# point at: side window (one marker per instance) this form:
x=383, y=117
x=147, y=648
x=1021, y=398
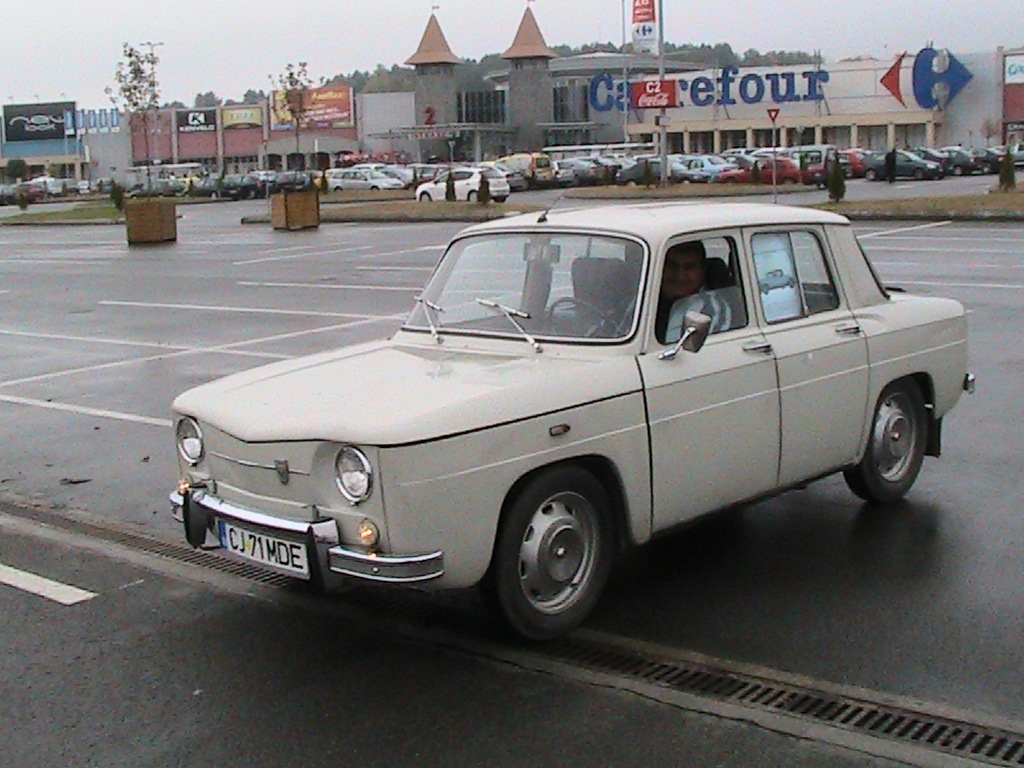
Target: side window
x=713, y=289
x=792, y=276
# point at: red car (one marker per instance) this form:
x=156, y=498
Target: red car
x=788, y=172
x=34, y=192
x=852, y=161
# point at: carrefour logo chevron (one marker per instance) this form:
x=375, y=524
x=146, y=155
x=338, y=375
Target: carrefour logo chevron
x=936, y=77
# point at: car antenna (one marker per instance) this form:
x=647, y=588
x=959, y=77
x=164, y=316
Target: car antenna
x=544, y=215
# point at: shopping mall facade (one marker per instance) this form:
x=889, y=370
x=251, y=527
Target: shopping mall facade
x=930, y=97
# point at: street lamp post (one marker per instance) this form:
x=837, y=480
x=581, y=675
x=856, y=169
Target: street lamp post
x=662, y=124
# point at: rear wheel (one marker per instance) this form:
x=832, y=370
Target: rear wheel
x=471, y=196
x=870, y=174
x=552, y=555
x=896, y=444
x=425, y=197
x=501, y=199
x=919, y=173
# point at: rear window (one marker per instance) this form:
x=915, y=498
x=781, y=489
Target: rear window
x=490, y=173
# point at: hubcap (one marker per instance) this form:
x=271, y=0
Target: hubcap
x=894, y=438
x=556, y=556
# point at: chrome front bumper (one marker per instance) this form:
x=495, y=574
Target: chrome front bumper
x=199, y=510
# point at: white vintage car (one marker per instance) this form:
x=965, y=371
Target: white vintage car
x=534, y=416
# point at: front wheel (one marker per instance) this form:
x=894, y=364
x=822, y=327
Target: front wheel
x=471, y=196
x=896, y=445
x=870, y=174
x=424, y=197
x=552, y=555
x=501, y=199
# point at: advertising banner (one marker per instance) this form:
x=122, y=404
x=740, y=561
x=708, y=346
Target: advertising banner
x=36, y=122
x=242, y=117
x=325, y=108
x=1013, y=72
x=196, y=120
x=645, y=26
x=654, y=94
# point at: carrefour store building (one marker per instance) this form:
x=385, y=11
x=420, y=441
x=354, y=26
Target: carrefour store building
x=928, y=98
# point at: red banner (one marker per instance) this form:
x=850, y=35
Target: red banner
x=643, y=11
x=654, y=94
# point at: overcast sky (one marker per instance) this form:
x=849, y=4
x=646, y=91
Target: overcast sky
x=59, y=49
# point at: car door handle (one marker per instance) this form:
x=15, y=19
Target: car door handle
x=848, y=330
x=764, y=347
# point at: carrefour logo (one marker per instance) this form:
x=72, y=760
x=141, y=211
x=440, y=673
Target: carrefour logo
x=937, y=78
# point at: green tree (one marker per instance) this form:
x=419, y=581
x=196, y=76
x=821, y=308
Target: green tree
x=836, y=181
x=138, y=92
x=1007, y=173
x=294, y=84
x=16, y=169
x=206, y=100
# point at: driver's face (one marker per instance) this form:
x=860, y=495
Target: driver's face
x=684, y=275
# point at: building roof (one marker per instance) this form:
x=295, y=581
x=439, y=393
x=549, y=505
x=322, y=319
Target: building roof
x=433, y=47
x=529, y=42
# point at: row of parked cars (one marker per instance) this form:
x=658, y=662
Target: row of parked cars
x=929, y=162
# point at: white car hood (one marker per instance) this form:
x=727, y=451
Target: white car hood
x=385, y=393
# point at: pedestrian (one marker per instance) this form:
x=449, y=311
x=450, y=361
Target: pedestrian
x=890, y=165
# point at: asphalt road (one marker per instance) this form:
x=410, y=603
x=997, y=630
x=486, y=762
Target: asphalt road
x=170, y=665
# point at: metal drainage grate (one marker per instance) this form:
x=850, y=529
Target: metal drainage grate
x=901, y=724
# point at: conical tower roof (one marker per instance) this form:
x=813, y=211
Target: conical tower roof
x=433, y=47
x=529, y=42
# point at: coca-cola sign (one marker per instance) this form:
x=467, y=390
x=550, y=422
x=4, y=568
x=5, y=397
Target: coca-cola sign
x=654, y=94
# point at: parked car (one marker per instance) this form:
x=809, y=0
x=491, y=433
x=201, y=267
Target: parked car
x=635, y=174
x=360, y=178
x=853, y=161
x=242, y=186
x=586, y=171
x=8, y=194
x=785, y=170
x=908, y=165
x=525, y=426
x=935, y=156
x=205, y=186
x=535, y=166
x=291, y=181
x=467, y=185
x=988, y=158
x=961, y=163
x=704, y=168
x=158, y=188
x=32, y=191
x=565, y=173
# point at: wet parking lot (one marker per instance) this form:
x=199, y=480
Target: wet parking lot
x=923, y=601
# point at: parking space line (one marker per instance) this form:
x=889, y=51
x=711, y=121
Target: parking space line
x=82, y=410
x=406, y=289
x=930, y=225
x=309, y=252
x=65, y=594
x=254, y=310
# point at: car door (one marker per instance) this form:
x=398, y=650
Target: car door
x=714, y=414
x=819, y=349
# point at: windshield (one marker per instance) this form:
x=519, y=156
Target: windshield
x=559, y=286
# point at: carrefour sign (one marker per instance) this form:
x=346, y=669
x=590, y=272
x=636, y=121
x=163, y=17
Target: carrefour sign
x=1013, y=74
x=728, y=88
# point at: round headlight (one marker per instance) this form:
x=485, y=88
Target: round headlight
x=353, y=474
x=190, y=441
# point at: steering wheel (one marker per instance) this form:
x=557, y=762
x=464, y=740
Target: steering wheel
x=601, y=320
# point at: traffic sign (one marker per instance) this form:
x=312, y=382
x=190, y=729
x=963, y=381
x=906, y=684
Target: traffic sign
x=773, y=113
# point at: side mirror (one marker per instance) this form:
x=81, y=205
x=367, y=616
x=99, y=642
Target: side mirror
x=696, y=327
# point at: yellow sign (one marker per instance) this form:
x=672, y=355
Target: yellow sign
x=242, y=117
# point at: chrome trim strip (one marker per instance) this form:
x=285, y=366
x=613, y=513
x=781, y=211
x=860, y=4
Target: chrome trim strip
x=323, y=530
x=255, y=464
x=394, y=569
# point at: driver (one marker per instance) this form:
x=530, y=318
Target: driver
x=684, y=277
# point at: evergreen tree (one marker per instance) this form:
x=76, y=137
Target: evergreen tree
x=1007, y=173
x=836, y=181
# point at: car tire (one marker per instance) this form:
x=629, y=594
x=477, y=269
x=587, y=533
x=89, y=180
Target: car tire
x=958, y=171
x=425, y=197
x=896, y=445
x=552, y=554
x=870, y=174
x=501, y=199
x=919, y=174
x=471, y=196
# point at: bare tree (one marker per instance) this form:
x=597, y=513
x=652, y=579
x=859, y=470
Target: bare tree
x=137, y=92
x=295, y=84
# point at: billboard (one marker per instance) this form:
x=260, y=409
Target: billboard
x=36, y=122
x=1013, y=72
x=242, y=117
x=325, y=108
x=196, y=120
x=654, y=94
x=645, y=26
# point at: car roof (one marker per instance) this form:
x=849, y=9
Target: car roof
x=656, y=221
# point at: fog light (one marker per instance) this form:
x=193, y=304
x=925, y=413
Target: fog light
x=368, y=533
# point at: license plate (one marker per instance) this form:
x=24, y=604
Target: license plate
x=279, y=554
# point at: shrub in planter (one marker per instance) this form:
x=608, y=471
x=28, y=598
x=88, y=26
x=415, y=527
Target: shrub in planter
x=22, y=200
x=836, y=182
x=483, y=196
x=117, y=196
x=647, y=175
x=1007, y=173
x=449, y=188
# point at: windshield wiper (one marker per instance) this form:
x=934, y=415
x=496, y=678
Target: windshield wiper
x=428, y=305
x=512, y=314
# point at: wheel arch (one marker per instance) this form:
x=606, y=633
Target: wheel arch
x=933, y=425
x=602, y=469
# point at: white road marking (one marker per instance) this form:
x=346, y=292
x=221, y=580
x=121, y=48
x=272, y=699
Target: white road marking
x=333, y=287
x=84, y=411
x=390, y=269
x=65, y=594
x=254, y=310
x=887, y=232
x=309, y=252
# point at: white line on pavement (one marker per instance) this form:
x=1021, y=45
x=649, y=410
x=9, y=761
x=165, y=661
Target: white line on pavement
x=310, y=252
x=83, y=411
x=884, y=233
x=332, y=287
x=65, y=594
x=256, y=310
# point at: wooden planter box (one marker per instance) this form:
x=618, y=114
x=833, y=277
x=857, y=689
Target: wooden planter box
x=295, y=210
x=151, y=221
